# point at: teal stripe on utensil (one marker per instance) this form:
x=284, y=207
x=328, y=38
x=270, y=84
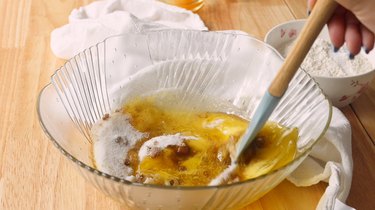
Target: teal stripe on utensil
x=262, y=113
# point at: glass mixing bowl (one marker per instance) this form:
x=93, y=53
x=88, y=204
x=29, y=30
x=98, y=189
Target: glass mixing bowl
x=229, y=67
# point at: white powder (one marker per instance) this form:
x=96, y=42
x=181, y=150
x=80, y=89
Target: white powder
x=214, y=123
x=113, y=138
x=224, y=176
x=322, y=61
x=157, y=144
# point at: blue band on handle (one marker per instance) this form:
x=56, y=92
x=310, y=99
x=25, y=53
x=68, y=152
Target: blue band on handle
x=262, y=113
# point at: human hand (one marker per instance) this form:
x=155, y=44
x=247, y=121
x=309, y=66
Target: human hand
x=353, y=23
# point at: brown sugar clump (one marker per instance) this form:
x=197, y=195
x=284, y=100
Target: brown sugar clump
x=105, y=117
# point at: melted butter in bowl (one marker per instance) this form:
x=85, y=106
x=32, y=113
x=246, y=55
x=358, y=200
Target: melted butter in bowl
x=148, y=142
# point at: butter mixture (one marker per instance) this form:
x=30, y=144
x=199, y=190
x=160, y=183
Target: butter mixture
x=146, y=142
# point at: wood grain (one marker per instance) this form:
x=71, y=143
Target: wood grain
x=254, y=17
x=34, y=175
x=362, y=191
x=298, y=8
x=365, y=110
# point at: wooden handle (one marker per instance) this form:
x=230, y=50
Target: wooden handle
x=321, y=13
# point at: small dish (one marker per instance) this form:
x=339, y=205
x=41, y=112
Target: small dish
x=340, y=90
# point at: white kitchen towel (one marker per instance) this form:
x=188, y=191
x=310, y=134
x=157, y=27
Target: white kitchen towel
x=93, y=23
x=329, y=161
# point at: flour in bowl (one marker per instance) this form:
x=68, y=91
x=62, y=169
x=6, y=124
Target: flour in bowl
x=114, y=136
x=322, y=61
x=151, y=143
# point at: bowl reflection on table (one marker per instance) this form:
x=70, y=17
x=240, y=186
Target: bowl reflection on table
x=341, y=90
x=233, y=68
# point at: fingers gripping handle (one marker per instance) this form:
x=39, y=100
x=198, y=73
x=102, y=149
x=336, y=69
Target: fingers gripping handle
x=323, y=10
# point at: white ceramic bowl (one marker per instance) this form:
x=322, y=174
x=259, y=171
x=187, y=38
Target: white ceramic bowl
x=340, y=90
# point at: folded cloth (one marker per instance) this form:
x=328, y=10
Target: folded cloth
x=93, y=23
x=329, y=161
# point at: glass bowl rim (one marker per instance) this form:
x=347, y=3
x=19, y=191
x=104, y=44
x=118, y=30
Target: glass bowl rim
x=165, y=187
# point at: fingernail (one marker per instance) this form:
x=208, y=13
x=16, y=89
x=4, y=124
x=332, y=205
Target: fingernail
x=335, y=49
x=308, y=12
x=351, y=56
x=367, y=51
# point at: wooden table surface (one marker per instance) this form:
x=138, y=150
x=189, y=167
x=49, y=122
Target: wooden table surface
x=34, y=175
